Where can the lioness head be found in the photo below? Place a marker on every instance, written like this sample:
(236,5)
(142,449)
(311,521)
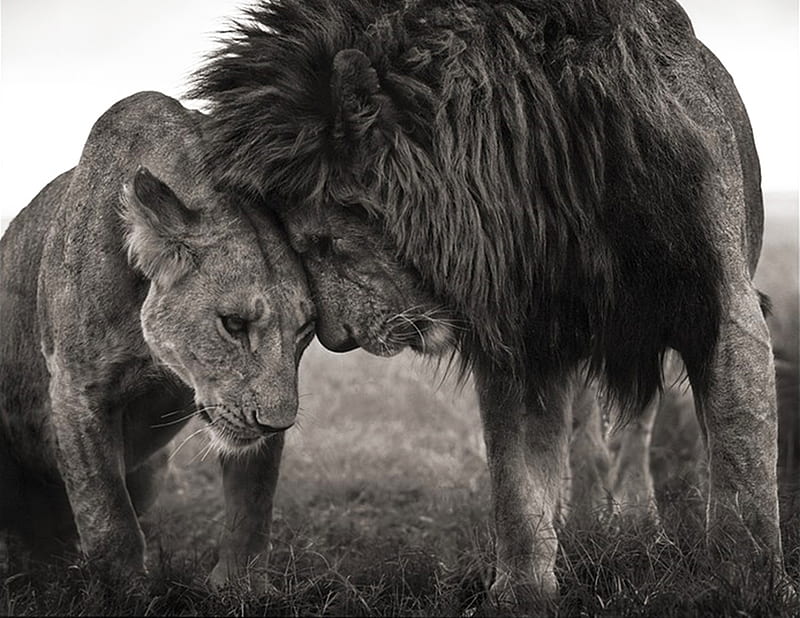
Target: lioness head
(228,309)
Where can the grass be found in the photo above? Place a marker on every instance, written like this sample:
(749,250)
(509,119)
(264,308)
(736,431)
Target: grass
(382,508)
(602,572)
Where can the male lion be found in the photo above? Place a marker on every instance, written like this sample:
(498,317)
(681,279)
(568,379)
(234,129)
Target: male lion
(107,353)
(550,187)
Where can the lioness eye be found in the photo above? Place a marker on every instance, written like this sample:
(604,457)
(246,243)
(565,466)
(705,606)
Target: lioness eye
(235,325)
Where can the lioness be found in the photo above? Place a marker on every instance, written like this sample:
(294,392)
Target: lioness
(548,187)
(123,315)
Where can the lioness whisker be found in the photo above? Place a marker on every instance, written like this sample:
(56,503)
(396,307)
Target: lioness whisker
(195,412)
(186,439)
(176,421)
(208,408)
(203,453)
(174,412)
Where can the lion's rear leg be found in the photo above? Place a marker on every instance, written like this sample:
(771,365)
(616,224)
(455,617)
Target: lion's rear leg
(738,412)
(589,487)
(631,479)
(610,470)
(526,444)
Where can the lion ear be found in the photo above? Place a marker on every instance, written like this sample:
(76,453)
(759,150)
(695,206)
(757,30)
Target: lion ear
(157,228)
(363,113)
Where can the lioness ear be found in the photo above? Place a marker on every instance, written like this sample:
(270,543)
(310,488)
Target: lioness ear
(364,115)
(157,227)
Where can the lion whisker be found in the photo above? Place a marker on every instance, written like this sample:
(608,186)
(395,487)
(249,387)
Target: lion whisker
(384,345)
(408,320)
(430,315)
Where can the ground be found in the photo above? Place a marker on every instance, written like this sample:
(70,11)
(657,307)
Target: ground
(382,506)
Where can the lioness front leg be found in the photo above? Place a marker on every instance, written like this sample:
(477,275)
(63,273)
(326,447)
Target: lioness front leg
(91,461)
(738,412)
(249,482)
(526,438)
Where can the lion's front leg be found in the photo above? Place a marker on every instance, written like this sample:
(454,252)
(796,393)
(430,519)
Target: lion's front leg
(91,461)
(526,446)
(738,411)
(249,481)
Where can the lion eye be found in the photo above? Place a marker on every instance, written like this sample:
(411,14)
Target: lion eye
(235,325)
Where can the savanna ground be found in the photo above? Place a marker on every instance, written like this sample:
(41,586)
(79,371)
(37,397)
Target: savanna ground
(382,506)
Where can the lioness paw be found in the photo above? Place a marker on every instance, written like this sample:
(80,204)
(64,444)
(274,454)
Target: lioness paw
(237,576)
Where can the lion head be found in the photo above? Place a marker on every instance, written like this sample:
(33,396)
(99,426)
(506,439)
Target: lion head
(368,297)
(228,309)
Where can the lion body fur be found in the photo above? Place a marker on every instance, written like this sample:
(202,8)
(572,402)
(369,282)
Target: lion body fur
(101,366)
(576,182)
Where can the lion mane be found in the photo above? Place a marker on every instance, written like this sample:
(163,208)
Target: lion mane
(534,160)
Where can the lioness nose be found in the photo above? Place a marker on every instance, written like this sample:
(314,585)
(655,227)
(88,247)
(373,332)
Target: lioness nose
(273,423)
(272,428)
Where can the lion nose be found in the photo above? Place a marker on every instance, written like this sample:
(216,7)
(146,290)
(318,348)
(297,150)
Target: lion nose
(338,338)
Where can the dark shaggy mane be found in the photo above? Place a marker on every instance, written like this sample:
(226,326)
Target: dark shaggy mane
(534,160)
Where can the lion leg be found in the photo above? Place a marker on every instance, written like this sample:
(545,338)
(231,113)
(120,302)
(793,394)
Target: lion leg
(737,408)
(589,460)
(526,443)
(249,483)
(632,482)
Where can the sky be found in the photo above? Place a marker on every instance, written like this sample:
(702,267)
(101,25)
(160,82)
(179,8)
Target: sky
(64,62)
